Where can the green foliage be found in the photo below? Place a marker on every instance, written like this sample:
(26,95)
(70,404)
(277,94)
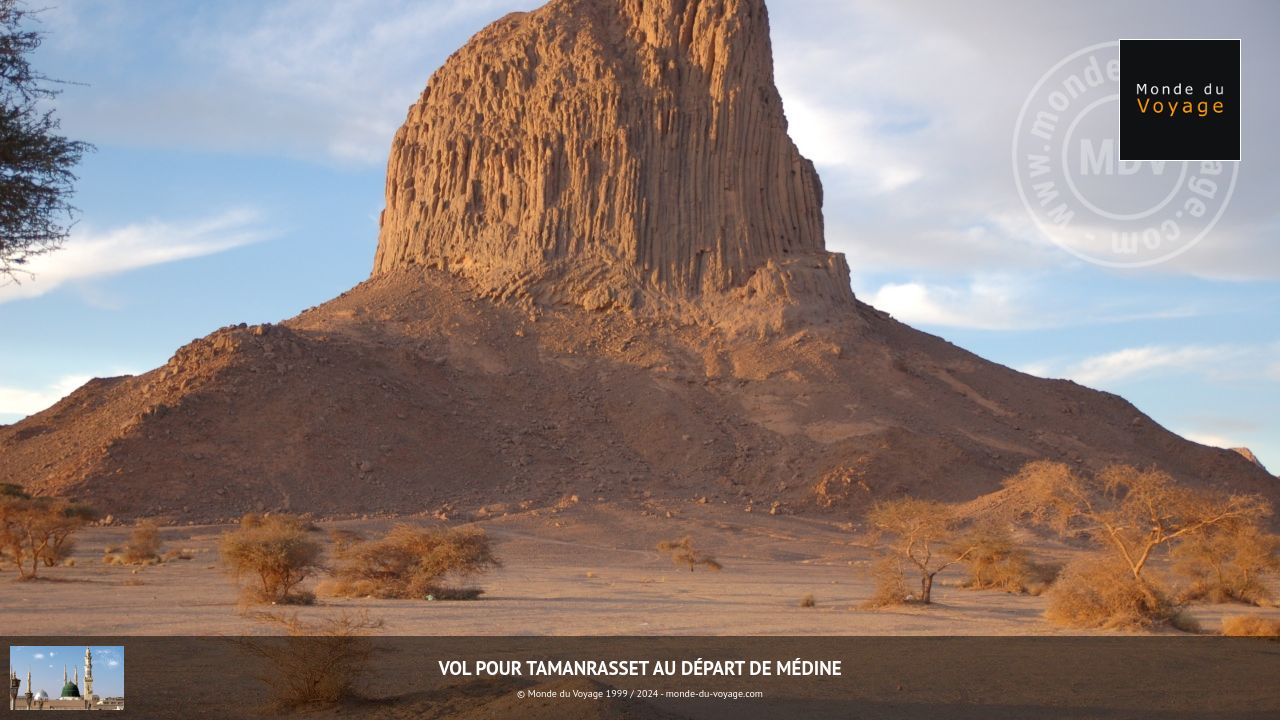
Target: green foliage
(36,178)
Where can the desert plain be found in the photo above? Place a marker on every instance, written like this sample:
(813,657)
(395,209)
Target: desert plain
(587,568)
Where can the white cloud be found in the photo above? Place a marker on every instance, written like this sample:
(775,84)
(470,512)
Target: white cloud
(313,80)
(38,656)
(1212,440)
(984,304)
(19,402)
(908,109)
(1004,302)
(89,253)
(113,663)
(1212,361)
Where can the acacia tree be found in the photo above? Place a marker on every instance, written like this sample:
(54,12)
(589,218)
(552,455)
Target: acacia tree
(921,534)
(37,530)
(1229,563)
(36,178)
(1131,511)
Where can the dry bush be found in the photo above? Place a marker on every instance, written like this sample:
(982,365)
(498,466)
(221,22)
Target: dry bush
(142,548)
(275,553)
(995,562)
(37,531)
(1229,564)
(1250,626)
(319,664)
(411,562)
(921,535)
(1098,592)
(343,539)
(890,584)
(683,553)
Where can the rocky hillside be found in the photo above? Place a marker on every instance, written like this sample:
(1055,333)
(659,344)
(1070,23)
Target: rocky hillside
(601,273)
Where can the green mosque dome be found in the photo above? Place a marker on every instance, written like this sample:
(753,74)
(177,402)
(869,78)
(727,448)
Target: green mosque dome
(70,691)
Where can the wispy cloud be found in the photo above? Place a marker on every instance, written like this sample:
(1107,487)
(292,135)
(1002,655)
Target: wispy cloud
(90,253)
(1212,362)
(1004,302)
(1130,362)
(326,82)
(1213,440)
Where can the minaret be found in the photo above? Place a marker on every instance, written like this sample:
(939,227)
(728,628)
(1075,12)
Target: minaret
(64,674)
(88,674)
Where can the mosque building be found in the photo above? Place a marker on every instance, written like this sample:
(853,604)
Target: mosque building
(70,698)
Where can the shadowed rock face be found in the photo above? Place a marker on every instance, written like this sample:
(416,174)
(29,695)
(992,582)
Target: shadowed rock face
(606,153)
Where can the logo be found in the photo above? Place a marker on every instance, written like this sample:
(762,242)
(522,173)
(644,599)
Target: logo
(1083,196)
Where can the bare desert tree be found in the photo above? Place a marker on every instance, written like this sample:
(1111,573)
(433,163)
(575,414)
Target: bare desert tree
(1131,511)
(997,562)
(1129,514)
(684,553)
(921,536)
(1230,563)
(37,531)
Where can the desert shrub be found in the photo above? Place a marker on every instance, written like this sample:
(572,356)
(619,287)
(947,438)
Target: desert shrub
(143,545)
(319,663)
(1229,564)
(37,531)
(995,562)
(343,539)
(1098,592)
(1250,626)
(890,584)
(412,562)
(275,554)
(683,552)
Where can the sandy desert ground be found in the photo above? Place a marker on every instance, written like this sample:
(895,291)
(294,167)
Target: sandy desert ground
(587,569)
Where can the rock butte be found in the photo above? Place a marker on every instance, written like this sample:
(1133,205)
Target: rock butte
(600,273)
(614,155)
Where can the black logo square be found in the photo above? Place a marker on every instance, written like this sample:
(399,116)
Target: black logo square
(1179,99)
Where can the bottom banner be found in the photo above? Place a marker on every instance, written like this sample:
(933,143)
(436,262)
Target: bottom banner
(343,674)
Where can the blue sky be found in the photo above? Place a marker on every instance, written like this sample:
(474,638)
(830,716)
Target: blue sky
(242,145)
(46,663)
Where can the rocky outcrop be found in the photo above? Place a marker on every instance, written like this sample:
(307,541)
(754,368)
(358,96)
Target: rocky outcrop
(1248,455)
(613,154)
